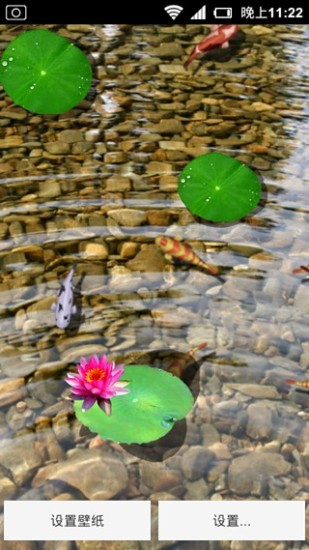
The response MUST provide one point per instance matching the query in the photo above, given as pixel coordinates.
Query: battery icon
(223, 13)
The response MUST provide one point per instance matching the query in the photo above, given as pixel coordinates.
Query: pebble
(57, 148)
(20, 458)
(128, 217)
(94, 251)
(196, 462)
(259, 424)
(249, 469)
(104, 477)
(157, 477)
(148, 259)
(259, 391)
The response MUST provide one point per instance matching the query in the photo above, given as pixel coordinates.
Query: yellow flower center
(94, 375)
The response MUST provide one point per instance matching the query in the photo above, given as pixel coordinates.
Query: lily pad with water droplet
(44, 72)
(219, 188)
(156, 400)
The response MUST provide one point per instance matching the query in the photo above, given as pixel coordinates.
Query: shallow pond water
(96, 186)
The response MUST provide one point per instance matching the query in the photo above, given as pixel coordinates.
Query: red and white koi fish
(304, 384)
(178, 366)
(217, 38)
(181, 251)
(301, 268)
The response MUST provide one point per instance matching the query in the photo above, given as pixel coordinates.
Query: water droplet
(135, 400)
(167, 422)
(13, 49)
(36, 43)
(31, 87)
(11, 58)
(4, 63)
(217, 188)
(183, 180)
(188, 177)
(43, 73)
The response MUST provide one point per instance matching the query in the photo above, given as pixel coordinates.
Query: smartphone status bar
(163, 13)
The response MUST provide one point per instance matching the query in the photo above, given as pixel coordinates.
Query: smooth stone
(73, 355)
(259, 391)
(57, 148)
(168, 49)
(49, 189)
(148, 259)
(259, 425)
(7, 487)
(196, 462)
(71, 136)
(168, 126)
(128, 217)
(118, 184)
(103, 476)
(156, 477)
(128, 250)
(93, 250)
(245, 471)
(158, 217)
(210, 435)
(19, 456)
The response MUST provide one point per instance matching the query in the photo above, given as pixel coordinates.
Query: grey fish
(64, 307)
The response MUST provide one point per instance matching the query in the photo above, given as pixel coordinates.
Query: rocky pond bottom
(95, 187)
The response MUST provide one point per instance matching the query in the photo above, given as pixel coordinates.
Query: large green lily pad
(44, 72)
(219, 188)
(156, 400)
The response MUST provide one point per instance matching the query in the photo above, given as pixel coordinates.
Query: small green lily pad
(219, 188)
(156, 400)
(44, 72)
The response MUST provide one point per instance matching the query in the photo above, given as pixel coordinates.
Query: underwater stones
(148, 259)
(94, 250)
(70, 136)
(156, 477)
(118, 184)
(259, 424)
(168, 126)
(245, 471)
(128, 217)
(196, 462)
(7, 487)
(168, 49)
(19, 456)
(128, 250)
(258, 391)
(57, 148)
(104, 477)
(49, 189)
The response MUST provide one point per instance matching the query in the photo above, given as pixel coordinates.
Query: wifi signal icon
(173, 10)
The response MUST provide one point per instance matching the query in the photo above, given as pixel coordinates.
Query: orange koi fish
(181, 251)
(304, 384)
(301, 268)
(178, 366)
(219, 37)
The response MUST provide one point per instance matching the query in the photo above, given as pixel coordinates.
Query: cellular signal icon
(200, 14)
(173, 10)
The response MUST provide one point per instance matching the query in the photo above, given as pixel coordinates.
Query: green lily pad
(219, 188)
(44, 72)
(156, 400)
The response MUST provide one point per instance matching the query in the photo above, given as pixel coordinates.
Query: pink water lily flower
(97, 382)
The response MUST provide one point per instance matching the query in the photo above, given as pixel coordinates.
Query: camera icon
(17, 12)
